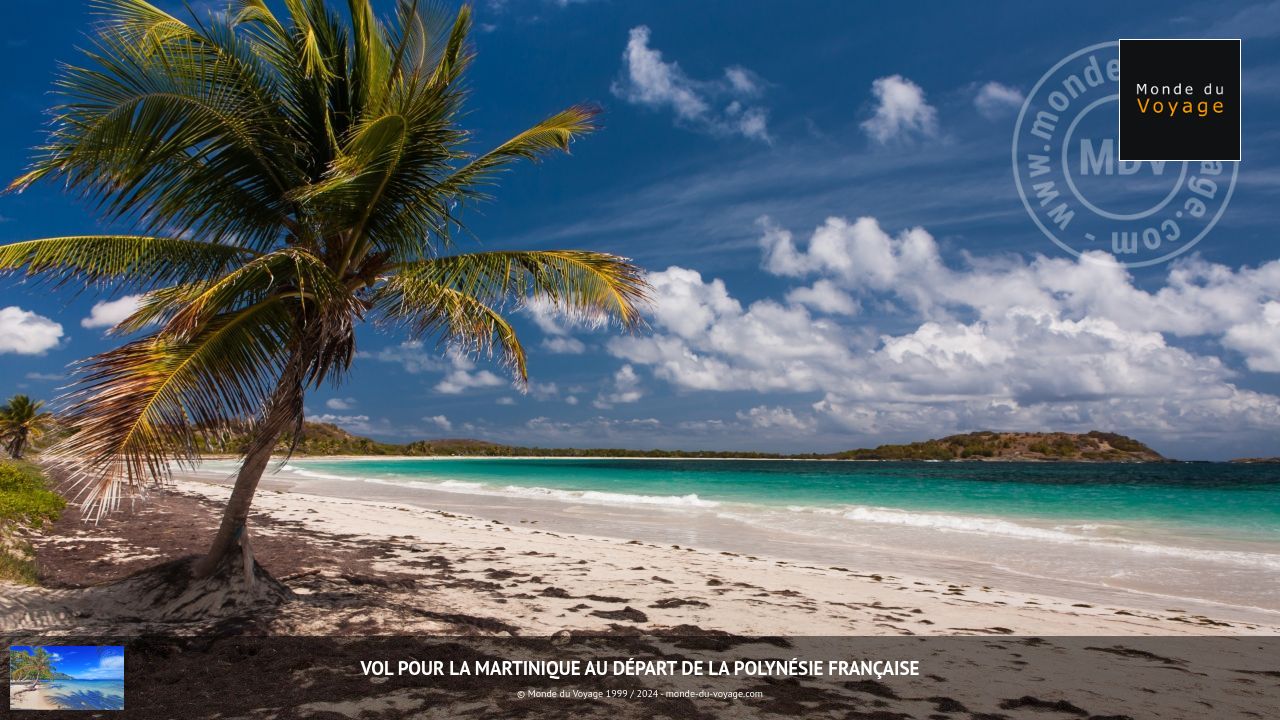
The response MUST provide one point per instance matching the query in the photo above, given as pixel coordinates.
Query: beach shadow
(89, 700)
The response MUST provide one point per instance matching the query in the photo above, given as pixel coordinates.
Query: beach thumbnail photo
(66, 677)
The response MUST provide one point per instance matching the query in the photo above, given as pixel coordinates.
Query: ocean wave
(977, 525)
(594, 497)
(610, 498)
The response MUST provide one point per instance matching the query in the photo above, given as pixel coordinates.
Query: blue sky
(84, 662)
(823, 196)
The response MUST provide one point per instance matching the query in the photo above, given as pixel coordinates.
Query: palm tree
(22, 422)
(284, 179)
(33, 666)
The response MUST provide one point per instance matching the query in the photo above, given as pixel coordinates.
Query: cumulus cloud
(1258, 339)
(564, 346)
(901, 111)
(597, 430)
(720, 107)
(556, 324)
(110, 313)
(340, 403)
(440, 421)
(412, 355)
(995, 101)
(994, 342)
(626, 389)
(460, 371)
(109, 667)
(464, 376)
(764, 417)
(23, 332)
(357, 423)
(824, 296)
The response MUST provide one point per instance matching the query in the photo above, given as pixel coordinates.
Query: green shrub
(24, 499)
(25, 503)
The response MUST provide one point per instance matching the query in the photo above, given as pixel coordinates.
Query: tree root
(171, 593)
(165, 594)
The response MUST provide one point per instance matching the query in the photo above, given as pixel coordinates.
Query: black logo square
(1179, 100)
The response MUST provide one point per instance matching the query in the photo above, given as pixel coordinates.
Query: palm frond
(455, 319)
(289, 272)
(460, 297)
(174, 129)
(126, 261)
(555, 133)
(582, 284)
(143, 405)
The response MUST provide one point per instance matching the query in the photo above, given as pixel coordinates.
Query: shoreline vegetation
(325, 439)
(26, 506)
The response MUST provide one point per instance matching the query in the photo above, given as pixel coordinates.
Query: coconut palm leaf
(127, 262)
(459, 298)
(145, 404)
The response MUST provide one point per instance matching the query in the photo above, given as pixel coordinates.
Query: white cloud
(411, 355)
(25, 333)
(556, 323)
(901, 111)
(626, 389)
(506, 400)
(995, 101)
(719, 107)
(110, 313)
(460, 372)
(544, 391)
(564, 346)
(775, 418)
(824, 296)
(110, 667)
(997, 342)
(47, 377)
(359, 423)
(340, 403)
(464, 376)
(597, 430)
(440, 421)
(1258, 339)
(742, 80)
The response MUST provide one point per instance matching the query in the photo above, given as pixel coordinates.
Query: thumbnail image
(66, 677)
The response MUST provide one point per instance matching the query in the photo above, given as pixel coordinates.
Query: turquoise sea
(72, 694)
(1207, 530)
(1211, 499)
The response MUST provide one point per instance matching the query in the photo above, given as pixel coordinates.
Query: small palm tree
(286, 178)
(34, 666)
(21, 423)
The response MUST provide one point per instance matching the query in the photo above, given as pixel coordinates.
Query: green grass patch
(26, 504)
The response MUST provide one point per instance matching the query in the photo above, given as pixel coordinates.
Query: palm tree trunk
(19, 444)
(282, 410)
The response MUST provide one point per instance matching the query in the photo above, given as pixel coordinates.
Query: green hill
(988, 445)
